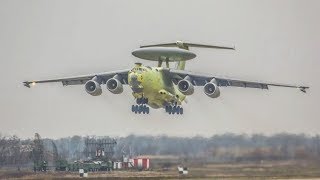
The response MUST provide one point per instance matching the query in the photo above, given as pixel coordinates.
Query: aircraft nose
(134, 83)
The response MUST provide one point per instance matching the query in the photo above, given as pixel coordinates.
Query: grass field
(276, 170)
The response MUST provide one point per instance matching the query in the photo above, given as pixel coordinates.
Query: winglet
(27, 84)
(303, 89)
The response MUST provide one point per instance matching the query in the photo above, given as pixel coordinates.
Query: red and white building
(141, 163)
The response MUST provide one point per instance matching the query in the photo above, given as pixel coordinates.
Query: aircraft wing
(200, 80)
(76, 80)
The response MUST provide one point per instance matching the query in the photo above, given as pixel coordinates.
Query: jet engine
(185, 87)
(93, 88)
(114, 86)
(211, 89)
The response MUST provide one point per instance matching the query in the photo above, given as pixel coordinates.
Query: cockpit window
(139, 69)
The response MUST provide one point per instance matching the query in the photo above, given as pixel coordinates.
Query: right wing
(200, 80)
(76, 80)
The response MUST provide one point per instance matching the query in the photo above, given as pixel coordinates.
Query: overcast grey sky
(276, 41)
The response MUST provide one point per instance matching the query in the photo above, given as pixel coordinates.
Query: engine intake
(114, 86)
(93, 88)
(185, 87)
(212, 90)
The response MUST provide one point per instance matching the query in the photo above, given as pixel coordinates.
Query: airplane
(161, 87)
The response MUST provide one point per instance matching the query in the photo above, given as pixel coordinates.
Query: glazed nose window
(138, 70)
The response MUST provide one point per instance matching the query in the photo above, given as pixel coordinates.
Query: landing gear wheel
(144, 109)
(174, 109)
(139, 109)
(167, 108)
(178, 110)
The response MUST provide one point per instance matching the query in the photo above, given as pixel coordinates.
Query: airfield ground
(278, 170)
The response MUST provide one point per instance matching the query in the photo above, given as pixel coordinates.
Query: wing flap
(247, 84)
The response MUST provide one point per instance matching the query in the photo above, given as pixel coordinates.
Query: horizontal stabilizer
(185, 45)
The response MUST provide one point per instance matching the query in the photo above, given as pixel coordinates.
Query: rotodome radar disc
(163, 53)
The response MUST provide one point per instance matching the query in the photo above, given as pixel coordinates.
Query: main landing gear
(174, 109)
(141, 107)
(142, 100)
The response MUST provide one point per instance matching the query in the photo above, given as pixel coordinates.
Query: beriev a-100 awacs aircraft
(160, 87)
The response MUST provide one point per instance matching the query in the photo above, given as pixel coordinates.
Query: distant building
(141, 163)
(127, 163)
(117, 165)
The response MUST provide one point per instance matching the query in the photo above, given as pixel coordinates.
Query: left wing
(200, 80)
(76, 80)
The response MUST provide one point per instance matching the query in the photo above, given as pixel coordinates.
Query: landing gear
(142, 100)
(174, 109)
(141, 107)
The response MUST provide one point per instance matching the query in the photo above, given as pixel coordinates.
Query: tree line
(218, 148)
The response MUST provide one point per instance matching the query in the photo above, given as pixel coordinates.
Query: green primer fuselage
(155, 84)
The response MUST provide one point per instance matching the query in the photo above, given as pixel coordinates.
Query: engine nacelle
(212, 90)
(93, 88)
(114, 86)
(185, 87)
